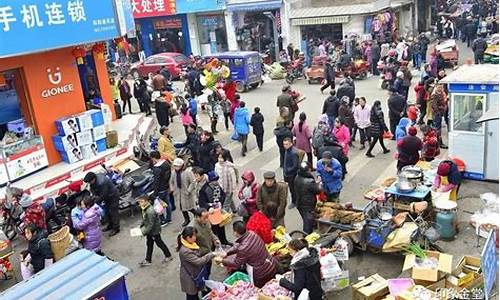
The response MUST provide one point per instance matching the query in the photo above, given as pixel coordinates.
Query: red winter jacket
(230, 91)
(35, 214)
(262, 226)
(251, 202)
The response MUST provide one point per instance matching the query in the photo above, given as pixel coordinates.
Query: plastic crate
(236, 276)
(97, 117)
(101, 145)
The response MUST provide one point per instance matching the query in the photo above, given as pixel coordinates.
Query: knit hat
(178, 162)
(25, 201)
(269, 175)
(75, 186)
(212, 176)
(443, 169)
(327, 155)
(412, 131)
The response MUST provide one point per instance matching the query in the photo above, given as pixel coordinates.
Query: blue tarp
(80, 275)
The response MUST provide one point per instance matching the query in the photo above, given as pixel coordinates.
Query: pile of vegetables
(336, 212)
(416, 250)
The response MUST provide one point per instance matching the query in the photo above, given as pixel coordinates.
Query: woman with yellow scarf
(193, 267)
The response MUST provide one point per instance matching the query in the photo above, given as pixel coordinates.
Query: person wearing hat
(183, 185)
(103, 188)
(448, 179)
(210, 197)
(307, 189)
(286, 100)
(397, 108)
(398, 84)
(273, 191)
(409, 148)
(329, 76)
(33, 212)
(330, 171)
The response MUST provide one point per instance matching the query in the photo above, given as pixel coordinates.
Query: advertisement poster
(26, 162)
(3, 173)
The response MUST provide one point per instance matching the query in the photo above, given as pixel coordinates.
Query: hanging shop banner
(33, 26)
(153, 8)
(125, 17)
(173, 23)
(193, 6)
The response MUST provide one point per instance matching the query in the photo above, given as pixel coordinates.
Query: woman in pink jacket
(303, 136)
(341, 132)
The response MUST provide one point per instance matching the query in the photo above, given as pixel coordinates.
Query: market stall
(80, 275)
(473, 91)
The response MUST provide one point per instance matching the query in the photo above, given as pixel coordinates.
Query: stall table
(401, 201)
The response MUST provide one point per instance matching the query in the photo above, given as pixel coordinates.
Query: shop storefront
(159, 29)
(206, 24)
(253, 23)
(37, 88)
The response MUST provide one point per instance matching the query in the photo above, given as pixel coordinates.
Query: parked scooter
(118, 178)
(295, 71)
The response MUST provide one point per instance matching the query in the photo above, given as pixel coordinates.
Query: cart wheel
(254, 86)
(384, 85)
(289, 79)
(240, 87)
(310, 81)
(363, 75)
(298, 234)
(350, 245)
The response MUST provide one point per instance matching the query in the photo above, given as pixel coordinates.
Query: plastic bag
(159, 207)
(304, 295)
(235, 136)
(215, 285)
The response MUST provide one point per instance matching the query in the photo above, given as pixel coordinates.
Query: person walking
(150, 228)
(331, 107)
(409, 149)
(90, 224)
(162, 107)
(286, 100)
(397, 108)
(341, 133)
(478, 47)
(141, 95)
(290, 168)
(212, 196)
(273, 191)
(165, 145)
(161, 174)
(330, 171)
(182, 184)
(206, 161)
(377, 128)
(251, 251)
(205, 237)
(329, 76)
(125, 94)
(242, 126)
(303, 136)
(307, 189)
(375, 57)
(192, 262)
(186, 117)
(362, 121)
(421, 95)
(257, 123)
(283, 131)
(248, 194)
(306, 270)
(439, 107)
(227, 180)
(192, 143)
(103, 188)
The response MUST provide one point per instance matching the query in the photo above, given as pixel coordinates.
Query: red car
(174, 62)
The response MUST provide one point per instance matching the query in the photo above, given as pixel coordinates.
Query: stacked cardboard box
(80, 136)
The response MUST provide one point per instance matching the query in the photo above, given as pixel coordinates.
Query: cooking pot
(405, 186)
(413, 174)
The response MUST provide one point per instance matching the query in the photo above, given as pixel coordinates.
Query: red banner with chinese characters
(153, 8)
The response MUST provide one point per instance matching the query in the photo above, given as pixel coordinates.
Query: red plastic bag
(387, 135)
(321, 197)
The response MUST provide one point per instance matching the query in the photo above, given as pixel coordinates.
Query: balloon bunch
(213, 73)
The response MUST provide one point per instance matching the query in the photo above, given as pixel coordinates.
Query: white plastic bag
(215, 285)
(158, 206)
(304, 295)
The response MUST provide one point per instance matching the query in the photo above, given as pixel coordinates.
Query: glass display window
(466, 110)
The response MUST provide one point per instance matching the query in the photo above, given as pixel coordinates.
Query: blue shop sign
(473, 88)
(193, 6)
(115, 291)
(28, 26)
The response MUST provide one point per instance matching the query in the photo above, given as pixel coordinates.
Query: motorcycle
(118, 178)
(386, 77)
(142, 184)
(295, 71)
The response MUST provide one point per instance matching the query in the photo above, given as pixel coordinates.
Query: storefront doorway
(331, 32)
(255, 32)
(212, 34)
(167, 36)
(13, 102)
(89, 81)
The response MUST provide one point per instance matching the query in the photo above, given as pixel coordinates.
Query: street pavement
(161, 281)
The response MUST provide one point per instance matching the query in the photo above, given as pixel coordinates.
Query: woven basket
(59, 241)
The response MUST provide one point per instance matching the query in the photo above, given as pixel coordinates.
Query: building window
(212, 34)
(467, 109)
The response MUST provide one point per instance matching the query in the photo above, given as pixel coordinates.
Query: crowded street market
(271, 149)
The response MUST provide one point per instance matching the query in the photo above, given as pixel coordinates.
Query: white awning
(320, 20)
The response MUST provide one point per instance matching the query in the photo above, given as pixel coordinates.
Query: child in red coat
(431, 145)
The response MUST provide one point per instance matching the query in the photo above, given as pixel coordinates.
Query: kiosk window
(467, 109)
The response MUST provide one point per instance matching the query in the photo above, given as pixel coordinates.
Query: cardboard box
(466, 273)
(99, 132)
(65, 143)
(96, 116)
(371, 288)
(418, 273)
(418, 292)
(72, 156)
(101, 145)
(67, 125)
(84, 121)
(89, 151)
(84, 137)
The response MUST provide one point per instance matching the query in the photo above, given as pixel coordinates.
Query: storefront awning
(340, 10)
(320, 20)
(239, 5)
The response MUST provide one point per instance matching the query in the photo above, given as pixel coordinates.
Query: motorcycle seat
(139, 180)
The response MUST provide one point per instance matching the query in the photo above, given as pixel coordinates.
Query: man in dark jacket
(306, 189)
(331, 107)
(375, 57)
(102, 187)
(281, 133)
(329, 75)
(151, 229)
(479, 46)
(193, 143)
(38, 248)
(424, 44)
(470, 30)
(206, 160)
(286, 100)
(257, 123)
(290, 167)
(161, 172)
(397, 107)
(273, 191)
(142, 95)
(346, 89)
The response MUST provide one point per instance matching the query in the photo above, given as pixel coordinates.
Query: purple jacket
(302, 138)
(368, 54)
(90, 225)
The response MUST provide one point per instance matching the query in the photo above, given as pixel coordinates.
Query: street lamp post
(275, 33)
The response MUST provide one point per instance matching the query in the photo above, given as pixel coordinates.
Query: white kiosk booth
(474, 91)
